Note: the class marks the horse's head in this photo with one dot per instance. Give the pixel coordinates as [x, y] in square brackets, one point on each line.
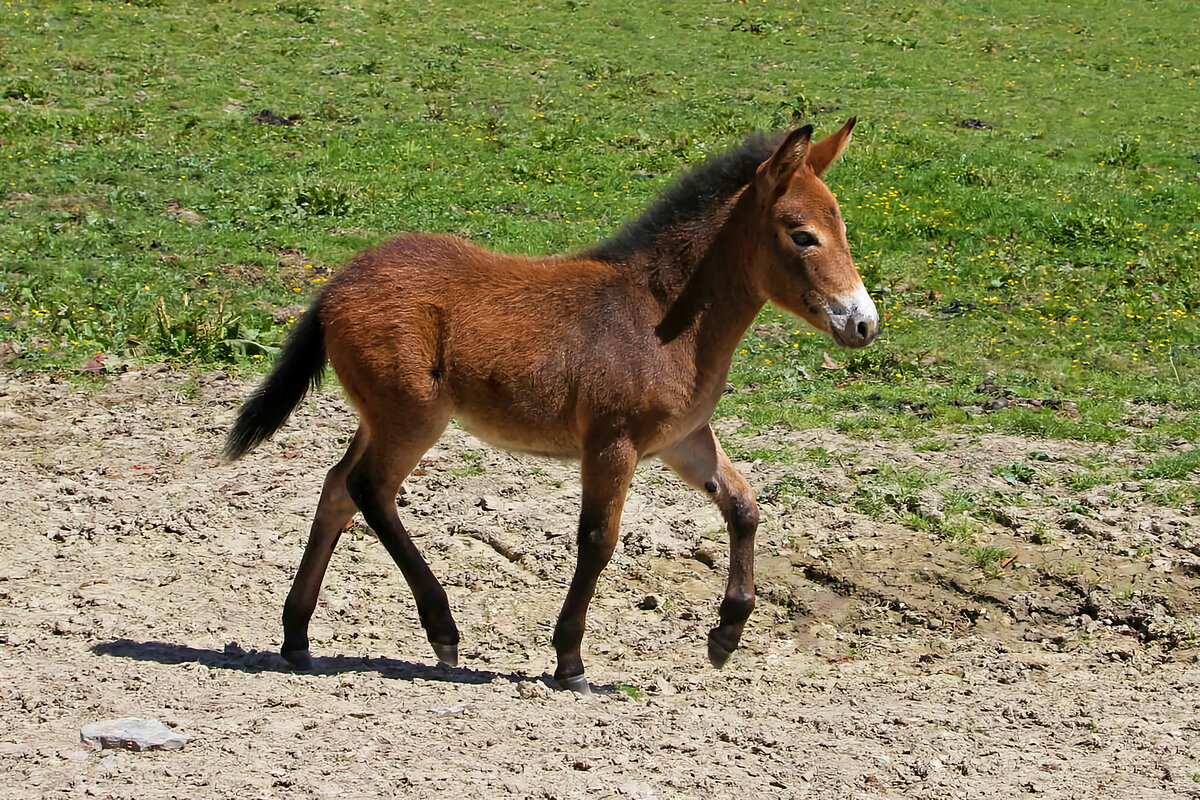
[806, 259]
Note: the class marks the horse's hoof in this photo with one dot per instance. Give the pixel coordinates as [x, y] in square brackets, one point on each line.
[576, 683]
[446, 653]
[718, 654]
[301, 660]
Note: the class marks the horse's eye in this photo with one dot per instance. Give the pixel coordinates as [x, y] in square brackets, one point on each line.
[804, 239]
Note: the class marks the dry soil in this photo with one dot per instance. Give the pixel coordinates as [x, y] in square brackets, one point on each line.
[140, 576]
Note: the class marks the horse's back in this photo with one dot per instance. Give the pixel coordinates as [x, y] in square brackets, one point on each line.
[523, 350]
[434, 321]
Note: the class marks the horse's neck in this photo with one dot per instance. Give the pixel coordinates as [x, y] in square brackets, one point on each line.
[713, 303]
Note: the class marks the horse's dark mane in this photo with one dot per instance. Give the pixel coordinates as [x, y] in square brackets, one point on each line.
[700, 191]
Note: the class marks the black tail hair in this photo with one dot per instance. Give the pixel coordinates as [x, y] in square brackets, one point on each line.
[298, 370]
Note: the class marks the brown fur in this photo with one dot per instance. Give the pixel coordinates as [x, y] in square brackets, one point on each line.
[609, 357]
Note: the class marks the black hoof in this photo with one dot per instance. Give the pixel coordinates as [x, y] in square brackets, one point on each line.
[577, 684]
[718, 654]
[301, 660]
[446, 653]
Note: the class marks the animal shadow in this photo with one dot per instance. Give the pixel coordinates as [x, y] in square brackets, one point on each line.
[234, 657]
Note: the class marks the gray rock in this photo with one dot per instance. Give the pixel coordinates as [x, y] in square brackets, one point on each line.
[130, 733]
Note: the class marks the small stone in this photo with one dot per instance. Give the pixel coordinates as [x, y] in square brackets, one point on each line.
[1005, 518]
[1121, 652]
[823, 630]
[1084, 526]
[705, 556]
[455, 710]
[533, 690]
[130, 733]
[931, 512]
[989, 387]
[187, 215]
[650, 602]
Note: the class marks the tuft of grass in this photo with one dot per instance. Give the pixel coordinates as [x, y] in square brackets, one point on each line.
[472, 466]
[630, 690]
[987, 558]
[959, 501]
[790, 489]
[1015, 473]
[1174, 465]
[1082, 481]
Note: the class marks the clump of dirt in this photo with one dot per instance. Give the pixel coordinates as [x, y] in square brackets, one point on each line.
[269, 117]
[141, 576]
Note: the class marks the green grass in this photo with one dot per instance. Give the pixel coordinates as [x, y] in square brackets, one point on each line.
[146, 215]
[1177, 465]
[987, 558]
[770, 455]
[1015, 473]
[632, 692]
[472, 466]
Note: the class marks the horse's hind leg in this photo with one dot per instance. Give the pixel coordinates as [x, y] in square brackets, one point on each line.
[333, 512]
[373, 483]
[701, 462]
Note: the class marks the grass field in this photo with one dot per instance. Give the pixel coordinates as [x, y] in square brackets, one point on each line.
[1023, 190]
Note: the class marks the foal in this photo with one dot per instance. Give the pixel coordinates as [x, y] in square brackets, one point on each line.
[611, 356]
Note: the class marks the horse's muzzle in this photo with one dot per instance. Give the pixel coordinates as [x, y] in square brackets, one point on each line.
[856, 325]
[859, 330]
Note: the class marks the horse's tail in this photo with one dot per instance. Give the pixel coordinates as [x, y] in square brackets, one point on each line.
[298, 370]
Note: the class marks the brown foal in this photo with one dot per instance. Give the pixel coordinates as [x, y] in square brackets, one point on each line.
[610, 356]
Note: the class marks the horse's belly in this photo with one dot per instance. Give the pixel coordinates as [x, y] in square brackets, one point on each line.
[519, 436]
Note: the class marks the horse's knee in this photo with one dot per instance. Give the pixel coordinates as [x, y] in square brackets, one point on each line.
[335, 485]
[336, 504]
[595, 536]
[743, 515]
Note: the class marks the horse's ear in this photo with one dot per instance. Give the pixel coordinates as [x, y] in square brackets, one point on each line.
[774, 173]
[824, 152]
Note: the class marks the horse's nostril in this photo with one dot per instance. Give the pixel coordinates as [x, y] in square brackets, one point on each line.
[863, 330]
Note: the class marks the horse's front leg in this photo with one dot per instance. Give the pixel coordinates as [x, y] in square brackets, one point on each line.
[701, 462]
[606, 470]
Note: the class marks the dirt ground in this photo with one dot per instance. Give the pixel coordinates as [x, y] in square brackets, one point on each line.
[140, 576]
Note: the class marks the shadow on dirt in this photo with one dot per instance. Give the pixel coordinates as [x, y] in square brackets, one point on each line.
[255, 661]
